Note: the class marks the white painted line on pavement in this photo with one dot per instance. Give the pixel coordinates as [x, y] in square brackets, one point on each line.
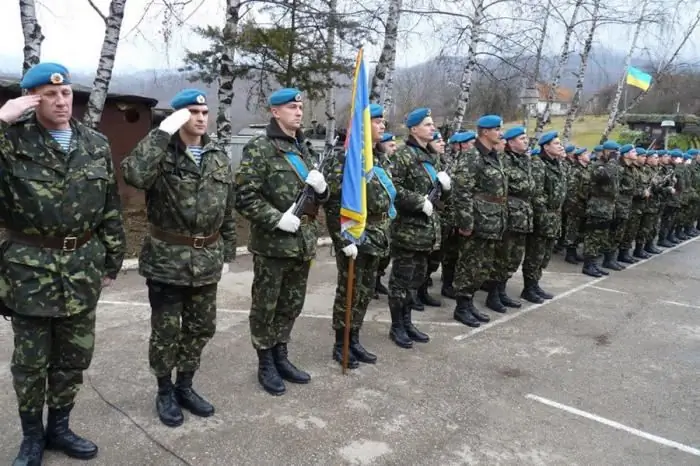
[609, 289]
[616, 425]
[675, 303]
[563, 295]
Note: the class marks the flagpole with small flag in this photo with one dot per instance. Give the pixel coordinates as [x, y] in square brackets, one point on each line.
[357, 171]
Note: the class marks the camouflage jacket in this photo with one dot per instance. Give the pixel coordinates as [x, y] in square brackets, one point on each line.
[695, 170]
[186, 200]
[548, 200]
[629, 181]
[521, 189]
[670, 199]
[47, 191]
[480, 185]
[577, 181]
[685, 181]
[412, 229]
[376, 241]
[648, 179]
[267, 186]
[447, 215]
[602, 190]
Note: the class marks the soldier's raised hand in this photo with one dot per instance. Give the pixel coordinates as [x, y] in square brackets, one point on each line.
[175, 121]
[15, 108]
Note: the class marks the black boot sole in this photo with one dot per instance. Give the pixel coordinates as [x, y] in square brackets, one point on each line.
[401, 344]
[72, 454]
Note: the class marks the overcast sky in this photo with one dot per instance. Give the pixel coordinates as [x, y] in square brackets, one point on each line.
[74, 35]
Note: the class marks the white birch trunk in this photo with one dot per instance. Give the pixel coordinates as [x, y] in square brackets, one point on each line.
[387, 59]
[388, 93]
[226, 76]
[103, 75]
[32, 34]
[466, 82]
[330, 54]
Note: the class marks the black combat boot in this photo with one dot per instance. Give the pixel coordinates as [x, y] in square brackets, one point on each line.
[448, 290]
[639, 252]
[426, 298]
[590, 269]
[530, 294]
[398, 332]
[416, 304]
[493, 300]
[597, 263]
[692, 231]
[651, 248]
[358, 350]
[285, 368]
[572, 255]
[379, 288]
[541, 293]
[505, 299]
[338, 350]
[188, 398]
[463, 311]
[671, 237]
[680, 234]
[411, 330]
[268, 376]
[609, 262]
[31, 450]
[623, 255]
[60, 437]
[168, 409]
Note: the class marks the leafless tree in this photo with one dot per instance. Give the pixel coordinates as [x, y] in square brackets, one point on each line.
[33, 37]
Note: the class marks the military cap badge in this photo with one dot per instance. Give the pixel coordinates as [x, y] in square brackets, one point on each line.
[297, 97]
[56, 78]
[427, 113]
[200, 99]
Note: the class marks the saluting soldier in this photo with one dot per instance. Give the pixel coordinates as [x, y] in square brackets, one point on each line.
[189, 191]
[64, 241]
[386, 145]
[380, 212]
[275, 167]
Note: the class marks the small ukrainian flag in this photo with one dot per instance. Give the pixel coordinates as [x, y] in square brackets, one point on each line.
[638, 78]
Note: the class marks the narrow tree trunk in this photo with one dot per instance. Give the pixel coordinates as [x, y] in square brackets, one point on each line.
[103, 75]
[330, 54]
[387, 59]
[612, 117]
[588, 44]
[563, 59]
[33, 36]
[226, 76]
[388, 94]
[466, 83]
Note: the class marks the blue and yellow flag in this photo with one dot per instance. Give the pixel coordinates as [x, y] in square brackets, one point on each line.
[358, 159]
[638, 78]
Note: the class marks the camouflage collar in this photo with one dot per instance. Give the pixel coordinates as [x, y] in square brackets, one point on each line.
[274, 131]
[483, 150]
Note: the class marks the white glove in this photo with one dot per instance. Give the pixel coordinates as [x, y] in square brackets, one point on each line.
[175, 121]
[289, 222]
[444, 180]
[350, 251]
[672, 190]
[428, 207]
[225, 269]
[316, 180]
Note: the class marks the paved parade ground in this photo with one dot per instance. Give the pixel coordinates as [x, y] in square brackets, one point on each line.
[606, 373]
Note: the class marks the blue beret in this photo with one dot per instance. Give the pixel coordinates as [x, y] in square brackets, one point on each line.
[640, 151]
[652, 153]
[451, 139]
[598, 148]
[662, 152]
[570, 148]
[386, 137]
[376, 111]
[611, 145]
[676, 153]
[547, 137]
[693, 152]
[284, 96]
[437, 136]
[626, 148]
[416, 116]
[535, 152]
[489, 122]
[514, 132]
[45, 73]
[468, 136]
[580, 151]
[188, 97]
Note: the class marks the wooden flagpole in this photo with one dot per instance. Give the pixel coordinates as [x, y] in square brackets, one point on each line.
[350, 287]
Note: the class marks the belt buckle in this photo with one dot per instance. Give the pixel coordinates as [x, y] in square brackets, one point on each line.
[70, 243]
[198, 242]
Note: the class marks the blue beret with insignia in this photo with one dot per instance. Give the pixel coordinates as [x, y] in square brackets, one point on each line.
[676, 153]
[652, 153]
[416, 116]
[386, 137]
[626, 148]
[662, 152]
[570, 148]
[611, 145]
[468, 136]
[45, 73]
[535, 152]
[548, 137]
[489, 122]
[437, 136]
[514, 132]
[693, 152]
[580, 151]
[376, 111]
[451, 139]
[284, 96]
[640, 151]
[188, 97]
[598, 148]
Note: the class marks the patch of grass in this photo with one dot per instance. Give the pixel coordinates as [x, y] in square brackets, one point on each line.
[585, 131]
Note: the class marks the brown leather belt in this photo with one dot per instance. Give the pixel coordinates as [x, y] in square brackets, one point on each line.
[197, 242]
[68, 243]
[383, 217]
[489, 198]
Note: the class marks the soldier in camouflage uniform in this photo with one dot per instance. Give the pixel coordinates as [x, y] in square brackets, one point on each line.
[628, 190]
[415, 232]
[649, 224]
[380, 212]
[688, 199]
[577, 181]
[481, 217]
[64, 242]
[567, 163]
[521, 187]
[547, 201]
[600, 208]
[695, 170]
[190, 196]
[387, 146]
[671, 201]
[642, 193]
[274, 169]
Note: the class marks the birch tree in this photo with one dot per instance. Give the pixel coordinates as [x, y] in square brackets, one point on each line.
[108, 54]
[330, 54]
[33, 37]
[227, 73]
[580, 74]
[387, 59]
[466, 80]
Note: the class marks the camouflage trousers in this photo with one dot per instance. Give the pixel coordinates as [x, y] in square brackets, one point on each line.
[434, 260]
[450, 253]
[408, 271]
[668, 220]
[632, 226]
[183, 320]
[509, 256]
[366, 267]
[617, 232]
[49, 358]
[475, 264]
[278, 295]
[596, 238]
[384, 262]
[687, 214]
[648, 227]
[538, 253]
[573, 229]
